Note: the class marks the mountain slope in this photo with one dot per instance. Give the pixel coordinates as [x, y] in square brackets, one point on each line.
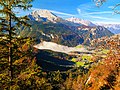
[58, 33]
[90, 33]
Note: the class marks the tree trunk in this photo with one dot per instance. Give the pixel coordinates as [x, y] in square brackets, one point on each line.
[10, 49]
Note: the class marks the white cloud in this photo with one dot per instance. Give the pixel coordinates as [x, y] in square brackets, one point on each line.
[94, 15]
[99, 17]
[104, 12]
[104, 22]
[61, 13]
[86, 12]
[111, 7]
[79, 11]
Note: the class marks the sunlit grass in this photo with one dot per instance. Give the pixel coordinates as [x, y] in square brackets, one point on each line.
[86, 57]
[103, 51]
[73, 59]
[80, 64]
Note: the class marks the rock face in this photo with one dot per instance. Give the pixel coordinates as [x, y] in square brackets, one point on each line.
[81, 21]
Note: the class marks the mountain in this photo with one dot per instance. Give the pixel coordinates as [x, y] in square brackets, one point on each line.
[115, 28]
[47, 26]
[81, 21]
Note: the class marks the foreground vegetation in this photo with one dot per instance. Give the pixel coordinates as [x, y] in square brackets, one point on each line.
[103, 74]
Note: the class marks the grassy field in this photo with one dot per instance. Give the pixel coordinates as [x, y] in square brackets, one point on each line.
[84, 59]
[103, 51]
[80, 64]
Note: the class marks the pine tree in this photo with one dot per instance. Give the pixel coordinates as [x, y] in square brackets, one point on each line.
[13, 49]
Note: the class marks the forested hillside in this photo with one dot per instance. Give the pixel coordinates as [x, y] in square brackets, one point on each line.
[47, 31]
[64, 34]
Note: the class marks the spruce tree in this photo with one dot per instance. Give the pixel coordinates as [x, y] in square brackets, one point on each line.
[13, 48]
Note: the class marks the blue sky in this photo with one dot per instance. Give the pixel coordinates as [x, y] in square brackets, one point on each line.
[84, 9]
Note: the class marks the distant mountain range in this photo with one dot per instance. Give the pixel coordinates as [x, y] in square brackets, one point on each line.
[71, 32]
[115, 28]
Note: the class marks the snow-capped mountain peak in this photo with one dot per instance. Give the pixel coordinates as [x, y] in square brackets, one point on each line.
[44, 15]
[80, 21]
